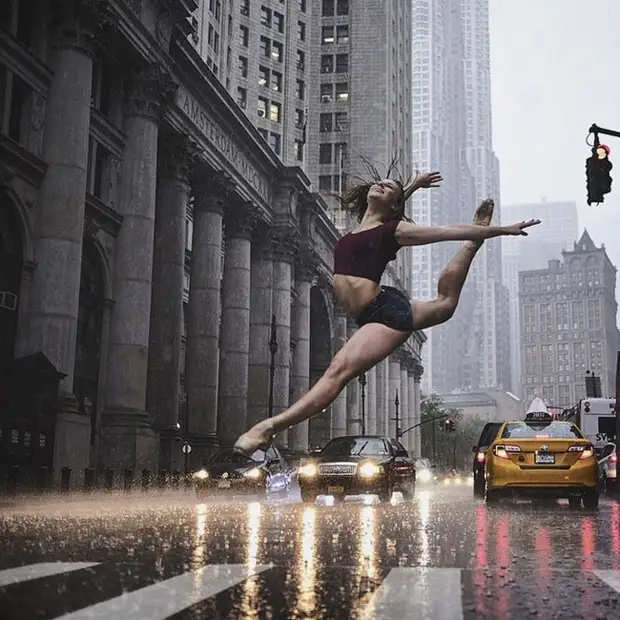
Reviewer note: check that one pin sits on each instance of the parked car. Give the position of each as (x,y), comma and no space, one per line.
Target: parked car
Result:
(358,465)
(263,476)
(487,437)
(608,469)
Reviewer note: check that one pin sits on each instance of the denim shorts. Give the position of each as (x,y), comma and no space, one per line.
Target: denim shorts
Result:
(390,307)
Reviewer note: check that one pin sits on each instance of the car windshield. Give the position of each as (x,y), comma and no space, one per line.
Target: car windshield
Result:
(229,457)
(541,430)
(354,446)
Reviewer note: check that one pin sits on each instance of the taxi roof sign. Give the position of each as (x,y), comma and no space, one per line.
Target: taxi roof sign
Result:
(538,406)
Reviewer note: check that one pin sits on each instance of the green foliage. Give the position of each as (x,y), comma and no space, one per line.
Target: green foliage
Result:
(451,449)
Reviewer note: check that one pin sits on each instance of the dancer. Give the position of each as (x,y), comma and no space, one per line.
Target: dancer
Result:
(385,316)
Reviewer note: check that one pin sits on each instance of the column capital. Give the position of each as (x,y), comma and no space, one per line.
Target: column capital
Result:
(210,189)
(285,241)
(149,90)
(240,219)
(307,263)
(418,371)
(178,154)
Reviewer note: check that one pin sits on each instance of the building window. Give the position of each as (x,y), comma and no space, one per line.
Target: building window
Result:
(327,35)
(342,92)
(328,8)
(300,90)
(277,51)
(265,16)
(342,7)
(301,60)
(262,107)
(245,7)
(265,47)
(326,123)
(243,66)
(327,93)
(299,150)
(275,142)
(325,183)
(327,63)
(263,76)
(242,97)
(301,31)
(340,153)
(276,81)
(302,6)
(325,153)
(278,21)
(299,118)
(342,34)
(244,36)
(274,112)
(342,63)
(341,121)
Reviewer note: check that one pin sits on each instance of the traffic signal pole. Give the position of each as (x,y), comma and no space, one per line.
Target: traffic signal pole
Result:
(595,129)
(617,401)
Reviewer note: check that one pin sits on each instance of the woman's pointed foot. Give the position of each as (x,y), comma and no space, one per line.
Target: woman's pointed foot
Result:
(254,439)
(482,217)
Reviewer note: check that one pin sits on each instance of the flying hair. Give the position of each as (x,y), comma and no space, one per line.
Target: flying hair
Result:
(354,199)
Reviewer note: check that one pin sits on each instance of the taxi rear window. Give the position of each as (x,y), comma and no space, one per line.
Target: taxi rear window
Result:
(536,430)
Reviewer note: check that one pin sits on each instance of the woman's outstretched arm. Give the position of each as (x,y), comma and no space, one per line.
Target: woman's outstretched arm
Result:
(411,234)
(423,179)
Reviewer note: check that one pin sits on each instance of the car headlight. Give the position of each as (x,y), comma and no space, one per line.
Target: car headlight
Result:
(203,474)
(368,470)
(253,473)
(425,475)
(309,470)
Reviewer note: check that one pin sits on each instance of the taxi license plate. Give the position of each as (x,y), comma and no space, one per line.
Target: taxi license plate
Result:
(223,484)
(335,489)
(545,459)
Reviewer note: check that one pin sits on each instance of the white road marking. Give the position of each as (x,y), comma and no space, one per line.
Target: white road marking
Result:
(166,598)
(417,594)
(29,572)
(610,577)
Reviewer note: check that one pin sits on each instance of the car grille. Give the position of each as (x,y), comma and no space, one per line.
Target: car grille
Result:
(337,469)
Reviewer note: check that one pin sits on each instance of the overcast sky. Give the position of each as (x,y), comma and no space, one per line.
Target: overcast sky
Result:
(555,69)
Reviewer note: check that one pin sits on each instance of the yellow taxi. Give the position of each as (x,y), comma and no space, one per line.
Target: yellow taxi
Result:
(541,457)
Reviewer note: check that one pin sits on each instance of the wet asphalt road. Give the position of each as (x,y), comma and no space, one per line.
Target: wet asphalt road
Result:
(443,556)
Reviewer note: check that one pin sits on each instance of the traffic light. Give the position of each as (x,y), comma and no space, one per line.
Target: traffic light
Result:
(448,425)
(598,168)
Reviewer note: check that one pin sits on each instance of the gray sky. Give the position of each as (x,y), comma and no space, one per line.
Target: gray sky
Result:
(552,70)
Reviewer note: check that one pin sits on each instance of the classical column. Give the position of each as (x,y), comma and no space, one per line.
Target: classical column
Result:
(59,224)
(381,370)
(177,155)
(413,417)
(261,311)
(394,389)
(235,334)
(305,270)
(417,377)
(202,361)
(285,248)
(127,439)
(339,407)
(354,420)
(371,401)
(403,395)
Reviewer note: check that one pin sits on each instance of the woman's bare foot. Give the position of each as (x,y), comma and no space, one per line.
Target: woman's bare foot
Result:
(259,437)
(482,217)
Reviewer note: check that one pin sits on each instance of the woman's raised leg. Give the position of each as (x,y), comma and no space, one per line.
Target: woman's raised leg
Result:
(452,278)
(370,344)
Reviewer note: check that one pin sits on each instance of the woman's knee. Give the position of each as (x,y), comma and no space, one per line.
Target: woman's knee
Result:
(339,370)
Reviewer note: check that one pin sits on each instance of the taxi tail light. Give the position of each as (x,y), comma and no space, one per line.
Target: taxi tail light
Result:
(481,457)
(503,451)
(613,458)
(587,450)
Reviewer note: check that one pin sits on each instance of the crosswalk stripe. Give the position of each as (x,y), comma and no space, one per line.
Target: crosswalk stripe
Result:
(29,572)
(166,598)
(417,594)
(610,577)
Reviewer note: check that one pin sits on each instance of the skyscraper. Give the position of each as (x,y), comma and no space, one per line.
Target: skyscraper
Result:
(556,233)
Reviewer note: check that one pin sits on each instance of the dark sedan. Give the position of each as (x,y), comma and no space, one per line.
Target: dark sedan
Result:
(358,465)
(263,476)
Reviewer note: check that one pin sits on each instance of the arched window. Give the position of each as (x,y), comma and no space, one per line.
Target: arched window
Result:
(88,342)
(11,260)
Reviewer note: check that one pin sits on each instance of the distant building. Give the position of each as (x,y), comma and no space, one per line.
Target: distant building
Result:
(557,232)
(568,324)
(488,405)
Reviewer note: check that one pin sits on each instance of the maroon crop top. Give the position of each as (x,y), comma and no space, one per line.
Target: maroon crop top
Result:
(365,254)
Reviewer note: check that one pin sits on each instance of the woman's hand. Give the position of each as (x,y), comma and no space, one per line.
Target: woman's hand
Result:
(518,230)
(427,179)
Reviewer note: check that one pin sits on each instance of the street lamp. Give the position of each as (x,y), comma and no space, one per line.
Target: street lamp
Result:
(273,349)
(362,380)
(396,418)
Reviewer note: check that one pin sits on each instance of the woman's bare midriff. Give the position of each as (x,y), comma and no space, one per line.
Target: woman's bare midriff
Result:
(354,293)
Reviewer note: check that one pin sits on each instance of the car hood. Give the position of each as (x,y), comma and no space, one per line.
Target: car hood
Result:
(351,459)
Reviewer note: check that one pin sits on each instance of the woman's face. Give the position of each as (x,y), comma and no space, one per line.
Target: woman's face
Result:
(385,194)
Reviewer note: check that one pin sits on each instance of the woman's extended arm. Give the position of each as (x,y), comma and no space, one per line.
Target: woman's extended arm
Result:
(423,179)
(411,234)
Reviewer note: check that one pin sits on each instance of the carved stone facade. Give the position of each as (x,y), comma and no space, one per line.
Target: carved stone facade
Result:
(191,236)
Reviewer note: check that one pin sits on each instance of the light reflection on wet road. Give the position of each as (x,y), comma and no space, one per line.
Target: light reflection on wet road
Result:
(300,561)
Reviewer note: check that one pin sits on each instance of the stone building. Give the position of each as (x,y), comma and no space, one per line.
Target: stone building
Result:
(148,235)
(568,325)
